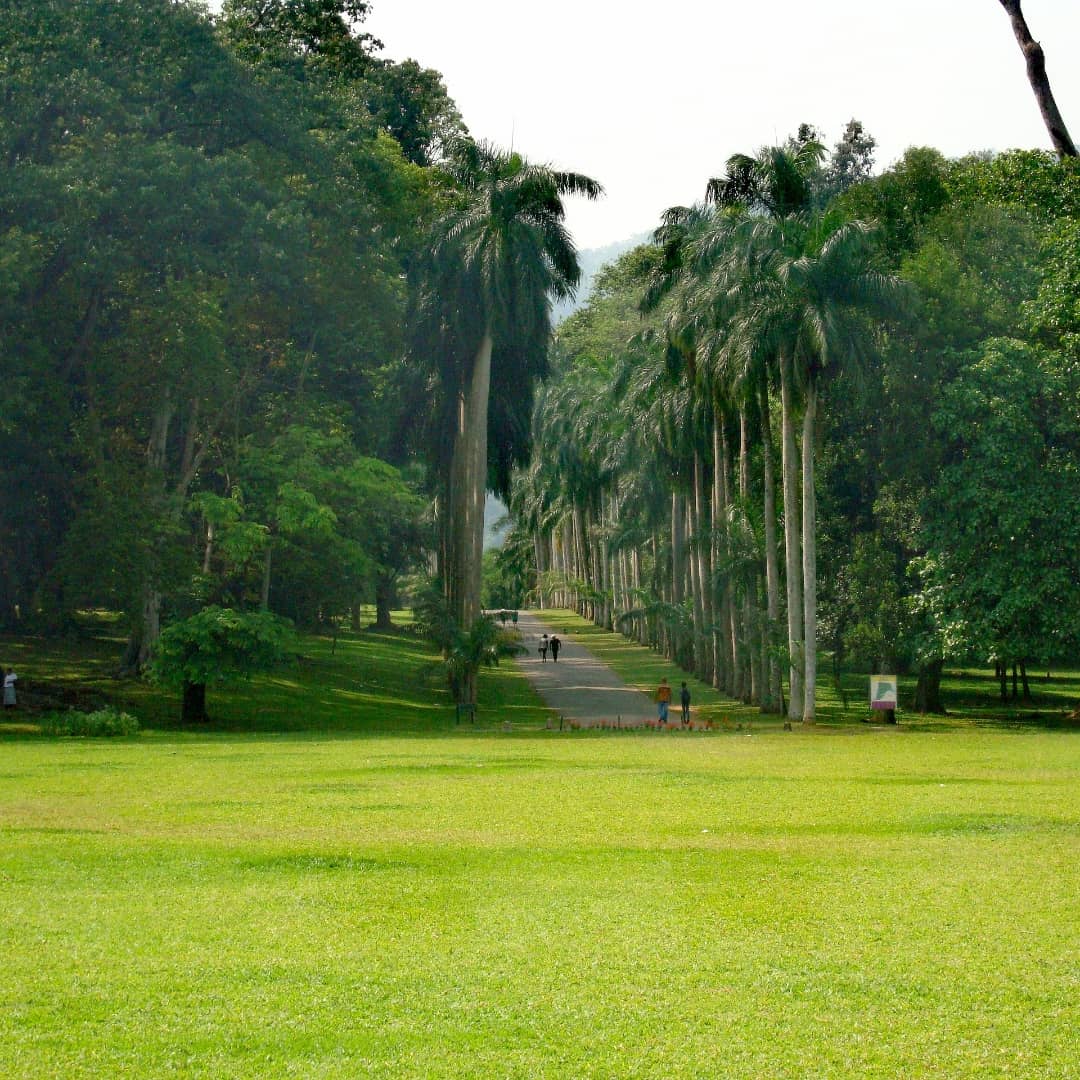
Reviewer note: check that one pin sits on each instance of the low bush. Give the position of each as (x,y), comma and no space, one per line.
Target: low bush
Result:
(101,722)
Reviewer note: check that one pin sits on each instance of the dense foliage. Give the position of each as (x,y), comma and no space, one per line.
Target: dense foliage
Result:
(204,233)
(271,323)
(846,418)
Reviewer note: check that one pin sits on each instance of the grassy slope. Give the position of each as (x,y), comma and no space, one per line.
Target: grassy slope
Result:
(368,682)
(390,896)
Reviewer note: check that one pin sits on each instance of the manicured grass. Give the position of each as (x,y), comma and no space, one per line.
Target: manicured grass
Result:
(337,881)
(470,905)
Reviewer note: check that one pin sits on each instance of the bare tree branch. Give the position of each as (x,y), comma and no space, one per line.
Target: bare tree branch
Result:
(1040,84)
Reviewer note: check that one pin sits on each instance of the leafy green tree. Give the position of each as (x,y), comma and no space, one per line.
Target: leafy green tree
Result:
(411,103)
(215,647)
(319,36)
(1001,577)
(852,158)
(198,251)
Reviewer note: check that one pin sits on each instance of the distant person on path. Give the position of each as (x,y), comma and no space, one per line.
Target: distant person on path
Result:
(544,648)
(10,679)
(556,645)
(684,700)
(663,700)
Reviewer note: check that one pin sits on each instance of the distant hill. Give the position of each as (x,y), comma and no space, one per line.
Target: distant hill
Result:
(592,261)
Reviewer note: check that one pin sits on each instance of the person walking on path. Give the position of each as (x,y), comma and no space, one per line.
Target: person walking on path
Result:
(663,700)
(543,648)
(684,700)
(581,689)
(10,678)
(556,645)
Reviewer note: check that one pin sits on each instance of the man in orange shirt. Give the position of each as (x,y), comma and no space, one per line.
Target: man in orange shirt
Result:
(663,700)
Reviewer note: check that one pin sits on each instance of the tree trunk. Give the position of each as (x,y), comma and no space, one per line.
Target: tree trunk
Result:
(809,523)
(1024,680)
(193,704)
(792,560)
(1035,60)
(719,654)
(771,696)
(384,600)
(703,653)
(678,569)
(146,627)
(145,631)
(208,550)
(928,688)
(468,486)
(749,599)
(264,591)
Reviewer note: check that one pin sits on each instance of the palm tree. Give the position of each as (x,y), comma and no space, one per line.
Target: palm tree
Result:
(776,188)
(825,290)
(498,254)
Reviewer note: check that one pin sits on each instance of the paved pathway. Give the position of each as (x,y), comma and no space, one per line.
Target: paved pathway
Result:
(578,686)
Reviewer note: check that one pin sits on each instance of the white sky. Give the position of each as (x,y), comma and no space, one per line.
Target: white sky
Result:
(651,98)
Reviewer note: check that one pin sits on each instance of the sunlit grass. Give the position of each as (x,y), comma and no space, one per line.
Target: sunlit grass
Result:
(335,879)
(475,905)
(357,682)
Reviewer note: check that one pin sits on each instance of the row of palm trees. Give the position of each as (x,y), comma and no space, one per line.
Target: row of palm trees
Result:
(753,301)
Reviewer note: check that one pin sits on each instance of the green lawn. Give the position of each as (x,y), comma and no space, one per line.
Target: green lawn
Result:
(361,683)
(389,895)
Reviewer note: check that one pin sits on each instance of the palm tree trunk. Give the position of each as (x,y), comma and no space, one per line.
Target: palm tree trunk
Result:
(697,583)
(809,552)
(468,486)
(718,495)
(678,566)
(703,553)
(771,695)
(735,647)
(792,562)
(749,623)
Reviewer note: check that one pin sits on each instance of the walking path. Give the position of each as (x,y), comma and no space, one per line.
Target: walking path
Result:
(578,686)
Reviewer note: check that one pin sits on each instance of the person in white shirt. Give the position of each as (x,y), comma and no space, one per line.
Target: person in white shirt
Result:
(10,678)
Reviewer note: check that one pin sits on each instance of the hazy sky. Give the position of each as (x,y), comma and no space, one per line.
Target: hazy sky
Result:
(652,98)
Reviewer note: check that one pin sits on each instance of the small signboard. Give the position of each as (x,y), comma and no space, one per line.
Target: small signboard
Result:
(882,691)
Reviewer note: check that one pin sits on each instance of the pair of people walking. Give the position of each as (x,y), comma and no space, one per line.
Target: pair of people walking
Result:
(663,701)
(552,644)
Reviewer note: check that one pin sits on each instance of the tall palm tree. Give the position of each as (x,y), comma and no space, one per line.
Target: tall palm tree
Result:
(826,293)
(499,254)
(775,187)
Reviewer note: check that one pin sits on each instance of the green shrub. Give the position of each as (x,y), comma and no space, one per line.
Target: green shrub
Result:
(101,722)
